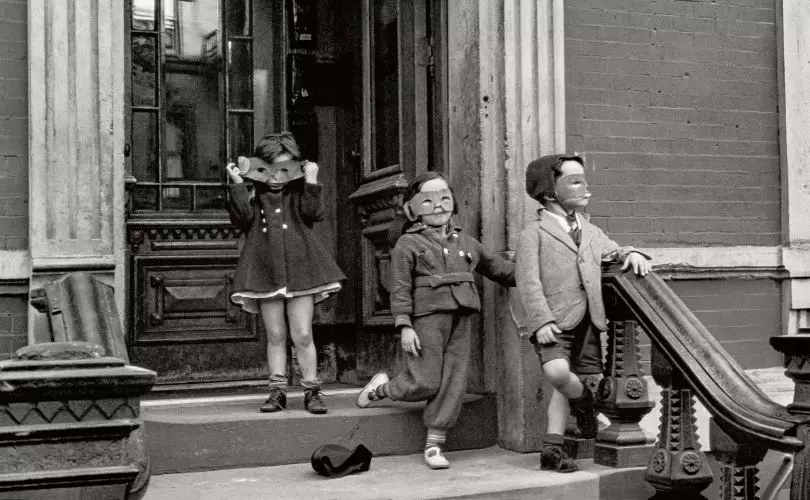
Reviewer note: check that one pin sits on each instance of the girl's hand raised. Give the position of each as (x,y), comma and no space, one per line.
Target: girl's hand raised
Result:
(310,170)
(410,341)
(233,173)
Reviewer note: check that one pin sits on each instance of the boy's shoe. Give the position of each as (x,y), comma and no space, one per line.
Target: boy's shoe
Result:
(552,457)
(276,402)
(583,409)
(435,459)
(313,401)
(369,392)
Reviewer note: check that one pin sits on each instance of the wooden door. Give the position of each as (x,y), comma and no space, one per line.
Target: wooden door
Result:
(209,78)
(403,136)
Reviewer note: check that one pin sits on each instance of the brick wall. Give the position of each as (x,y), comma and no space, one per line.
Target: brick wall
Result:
(675,105)
(13,324)
(13,126)
(741,314)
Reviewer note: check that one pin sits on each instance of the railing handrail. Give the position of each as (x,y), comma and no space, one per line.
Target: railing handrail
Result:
(741,409)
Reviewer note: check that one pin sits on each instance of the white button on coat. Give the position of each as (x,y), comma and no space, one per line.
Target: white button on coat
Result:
(284,226)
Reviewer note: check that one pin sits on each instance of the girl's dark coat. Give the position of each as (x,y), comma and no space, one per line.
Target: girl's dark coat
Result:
(281,247)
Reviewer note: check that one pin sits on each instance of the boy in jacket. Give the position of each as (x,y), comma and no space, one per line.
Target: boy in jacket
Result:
(559,278)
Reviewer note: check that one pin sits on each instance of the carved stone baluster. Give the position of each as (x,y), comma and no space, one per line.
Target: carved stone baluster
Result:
(796,349)
(739,479)
(623,397)
(678,468)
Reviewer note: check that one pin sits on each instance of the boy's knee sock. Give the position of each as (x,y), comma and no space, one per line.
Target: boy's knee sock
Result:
(435,437)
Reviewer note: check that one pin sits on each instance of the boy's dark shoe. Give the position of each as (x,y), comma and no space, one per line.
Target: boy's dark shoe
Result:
(583,410)
(313,401)
(277,401)
(552,457)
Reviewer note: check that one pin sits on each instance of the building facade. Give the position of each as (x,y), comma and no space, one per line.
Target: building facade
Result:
(117,118)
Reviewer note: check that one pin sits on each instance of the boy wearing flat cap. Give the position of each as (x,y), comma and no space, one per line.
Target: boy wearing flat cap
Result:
(559,278)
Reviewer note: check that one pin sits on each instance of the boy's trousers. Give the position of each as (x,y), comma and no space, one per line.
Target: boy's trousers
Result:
(439,374)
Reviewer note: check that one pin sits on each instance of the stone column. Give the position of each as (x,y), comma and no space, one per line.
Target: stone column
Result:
(522,115)
(77,68)
(793,39)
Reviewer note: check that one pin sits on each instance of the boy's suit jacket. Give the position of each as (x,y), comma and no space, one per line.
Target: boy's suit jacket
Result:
(558,281)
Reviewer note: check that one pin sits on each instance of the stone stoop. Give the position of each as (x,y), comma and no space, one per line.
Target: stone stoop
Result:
(205,434)
(484,474)
(491,473)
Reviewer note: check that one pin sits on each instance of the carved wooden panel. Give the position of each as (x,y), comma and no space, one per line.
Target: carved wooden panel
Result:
(379,204)
(183,299)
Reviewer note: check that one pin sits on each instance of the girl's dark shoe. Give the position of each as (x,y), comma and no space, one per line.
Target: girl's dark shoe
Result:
(552,457)
(277,401)
(585,413)
(313,401)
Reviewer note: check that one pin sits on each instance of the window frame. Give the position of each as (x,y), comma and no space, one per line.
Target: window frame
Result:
(160,111)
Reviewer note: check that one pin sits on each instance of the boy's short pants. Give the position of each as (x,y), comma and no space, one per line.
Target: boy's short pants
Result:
(581,346)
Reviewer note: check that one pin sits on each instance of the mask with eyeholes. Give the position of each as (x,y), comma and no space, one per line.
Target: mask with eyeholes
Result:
(274,175)
(425,203)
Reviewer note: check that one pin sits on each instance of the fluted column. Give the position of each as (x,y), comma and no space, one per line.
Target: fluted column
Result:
(522,116)
(793,42)
(76,119)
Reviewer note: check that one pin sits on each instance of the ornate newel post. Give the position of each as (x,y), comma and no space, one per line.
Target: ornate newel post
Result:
(624,398)
(66,416)
(678,468)
(796,349)
(739,465)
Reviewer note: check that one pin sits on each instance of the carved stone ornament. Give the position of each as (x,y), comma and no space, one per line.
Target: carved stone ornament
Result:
(690,462)
(634,388)
(659,461)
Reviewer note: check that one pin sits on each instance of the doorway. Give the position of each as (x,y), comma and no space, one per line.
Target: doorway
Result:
(208,79)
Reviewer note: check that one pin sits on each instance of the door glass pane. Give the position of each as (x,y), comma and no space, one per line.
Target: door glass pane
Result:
(240,62)
(241,129)
(144,198)
(238,17)
(144,146)
(193,130)
(143,15)
(385,84)
(211,198)
(144,67)
(177,198)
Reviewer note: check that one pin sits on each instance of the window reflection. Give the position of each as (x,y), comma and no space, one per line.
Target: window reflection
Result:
(386,83)
(182,122)
(194,118)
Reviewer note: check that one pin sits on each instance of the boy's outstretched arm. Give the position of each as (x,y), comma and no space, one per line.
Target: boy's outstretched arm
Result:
(494,267)
(527,276)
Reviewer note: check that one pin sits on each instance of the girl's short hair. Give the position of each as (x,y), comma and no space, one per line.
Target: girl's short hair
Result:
(271,146)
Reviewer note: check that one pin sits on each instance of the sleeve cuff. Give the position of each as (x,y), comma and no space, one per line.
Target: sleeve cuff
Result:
(402,320)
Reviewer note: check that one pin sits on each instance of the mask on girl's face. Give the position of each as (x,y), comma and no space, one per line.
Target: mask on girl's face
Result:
(570,189)
(425,202)
(272,174)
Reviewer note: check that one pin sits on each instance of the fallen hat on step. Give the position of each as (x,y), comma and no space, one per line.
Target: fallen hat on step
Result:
(334,460)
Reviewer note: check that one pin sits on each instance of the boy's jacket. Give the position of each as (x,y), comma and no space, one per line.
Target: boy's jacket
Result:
(559,282)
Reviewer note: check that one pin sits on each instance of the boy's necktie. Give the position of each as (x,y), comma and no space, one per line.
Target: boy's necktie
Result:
(574,228)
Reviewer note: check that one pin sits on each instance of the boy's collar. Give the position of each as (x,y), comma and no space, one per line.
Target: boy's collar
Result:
(421,226)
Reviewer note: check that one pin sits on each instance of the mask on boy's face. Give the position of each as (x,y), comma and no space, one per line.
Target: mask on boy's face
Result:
(570,189)
(425,202)
(272,174)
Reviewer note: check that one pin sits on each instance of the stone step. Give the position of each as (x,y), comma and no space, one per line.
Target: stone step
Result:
(225,432)
(491,473)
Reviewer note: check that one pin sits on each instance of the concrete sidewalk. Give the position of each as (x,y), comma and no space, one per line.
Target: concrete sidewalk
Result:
(491,473)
